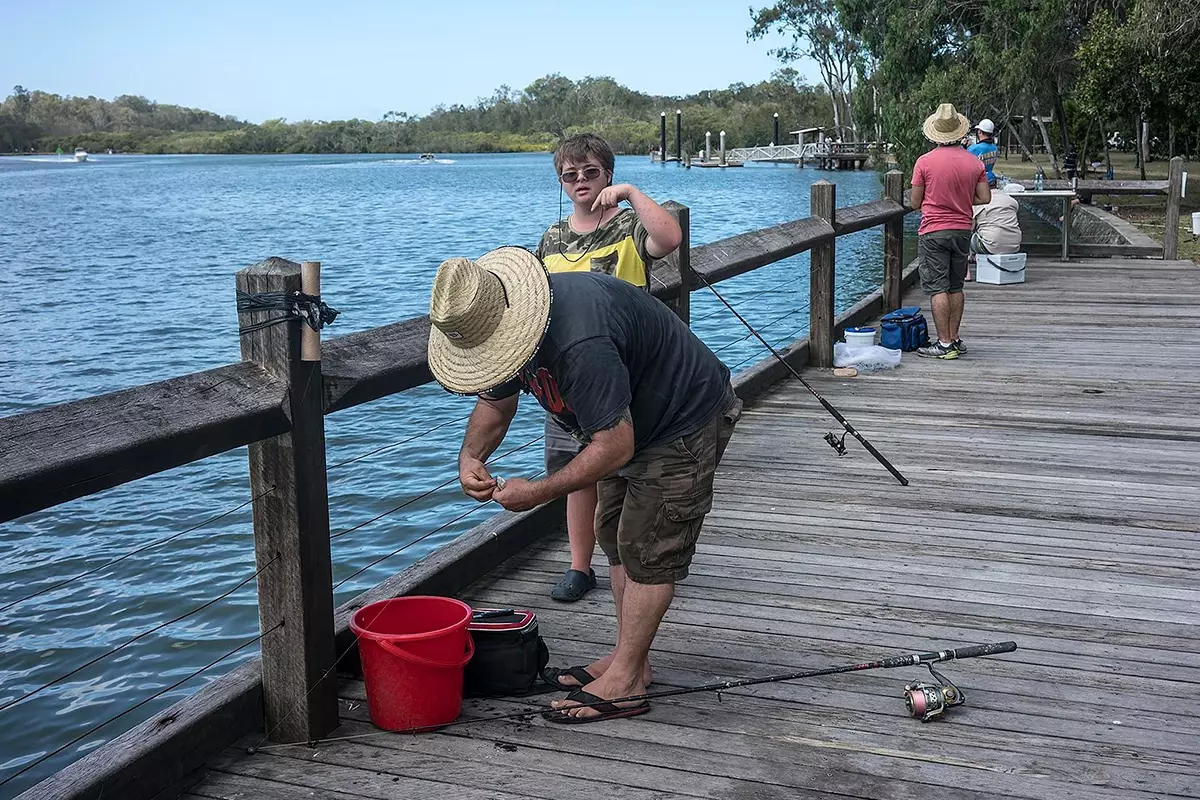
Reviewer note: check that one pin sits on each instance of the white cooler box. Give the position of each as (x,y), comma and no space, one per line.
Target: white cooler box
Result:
(1000,269)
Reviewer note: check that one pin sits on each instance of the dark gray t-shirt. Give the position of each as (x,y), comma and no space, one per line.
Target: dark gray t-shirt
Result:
(612,346)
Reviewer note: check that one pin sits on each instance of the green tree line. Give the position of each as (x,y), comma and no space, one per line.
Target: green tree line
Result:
(532,119)
(1055,75)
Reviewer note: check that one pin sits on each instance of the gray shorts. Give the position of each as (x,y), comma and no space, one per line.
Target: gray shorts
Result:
(943,260)
(560,447)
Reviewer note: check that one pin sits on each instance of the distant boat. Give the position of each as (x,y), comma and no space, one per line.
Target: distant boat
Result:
(81,154)
(428,158)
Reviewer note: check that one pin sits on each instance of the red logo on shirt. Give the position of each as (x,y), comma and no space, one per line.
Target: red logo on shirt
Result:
(542,385)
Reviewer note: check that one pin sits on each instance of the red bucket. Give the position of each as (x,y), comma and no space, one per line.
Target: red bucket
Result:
(413,651)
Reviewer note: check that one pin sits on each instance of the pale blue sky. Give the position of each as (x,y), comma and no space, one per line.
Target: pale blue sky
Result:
(362,58)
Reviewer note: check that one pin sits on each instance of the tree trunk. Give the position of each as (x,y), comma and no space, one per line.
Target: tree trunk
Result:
(1037,117)
(1104,136)
(1144,145)
(1171,140)
(1025,154)
(1064,133)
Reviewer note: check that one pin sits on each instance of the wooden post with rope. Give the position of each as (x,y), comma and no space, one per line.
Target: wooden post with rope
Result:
(893,243)
(681,260)
(823,199)
(291,516)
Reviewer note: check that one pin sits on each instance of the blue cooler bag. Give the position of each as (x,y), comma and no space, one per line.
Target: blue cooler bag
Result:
(904,329)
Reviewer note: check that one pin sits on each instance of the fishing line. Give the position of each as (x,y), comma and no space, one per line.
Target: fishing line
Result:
(912,659)
(154,696)
(837,444)
(131,553)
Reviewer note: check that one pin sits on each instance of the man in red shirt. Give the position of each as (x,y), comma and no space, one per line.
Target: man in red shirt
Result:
(946,182)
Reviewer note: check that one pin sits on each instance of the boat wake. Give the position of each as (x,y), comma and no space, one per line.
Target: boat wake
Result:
(405,162)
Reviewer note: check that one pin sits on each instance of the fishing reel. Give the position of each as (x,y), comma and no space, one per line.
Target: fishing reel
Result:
(926,701)
(836,442)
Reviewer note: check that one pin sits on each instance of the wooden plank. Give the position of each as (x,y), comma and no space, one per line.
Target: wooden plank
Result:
(727,258)
(62,452)
(291,524)
(869,215)
(375,363)
(821,268)
(1095,250)
(1095,187)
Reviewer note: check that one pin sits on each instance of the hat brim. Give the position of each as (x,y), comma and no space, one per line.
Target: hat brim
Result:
(934,135)
(498,359)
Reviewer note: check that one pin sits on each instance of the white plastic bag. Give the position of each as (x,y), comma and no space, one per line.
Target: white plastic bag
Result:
(865,359)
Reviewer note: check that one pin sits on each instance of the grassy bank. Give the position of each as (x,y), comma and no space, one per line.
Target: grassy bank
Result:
(1148,213)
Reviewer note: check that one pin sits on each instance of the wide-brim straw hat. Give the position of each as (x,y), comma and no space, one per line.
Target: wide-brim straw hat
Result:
(946,125)
(487,317)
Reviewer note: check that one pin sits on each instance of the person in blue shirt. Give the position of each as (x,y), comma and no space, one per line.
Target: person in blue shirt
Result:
(984,148)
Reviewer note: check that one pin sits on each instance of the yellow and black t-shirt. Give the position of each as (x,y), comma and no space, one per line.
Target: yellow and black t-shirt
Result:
(618,247)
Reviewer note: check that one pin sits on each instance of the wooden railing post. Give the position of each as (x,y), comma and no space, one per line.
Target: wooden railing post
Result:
(681,259)
(291,519)
(823,200)
(893,242)
(1174,198)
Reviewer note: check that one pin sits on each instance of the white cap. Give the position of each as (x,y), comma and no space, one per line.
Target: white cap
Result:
(986,125)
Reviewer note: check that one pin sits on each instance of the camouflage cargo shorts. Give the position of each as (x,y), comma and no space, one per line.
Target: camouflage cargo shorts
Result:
(648,514)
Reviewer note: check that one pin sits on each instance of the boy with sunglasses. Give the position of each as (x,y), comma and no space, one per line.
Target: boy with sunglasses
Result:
(598,236)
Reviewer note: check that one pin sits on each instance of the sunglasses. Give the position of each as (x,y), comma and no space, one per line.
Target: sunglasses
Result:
(574,175)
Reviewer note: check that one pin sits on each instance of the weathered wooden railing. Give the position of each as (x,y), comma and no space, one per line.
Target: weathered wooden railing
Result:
(273,401)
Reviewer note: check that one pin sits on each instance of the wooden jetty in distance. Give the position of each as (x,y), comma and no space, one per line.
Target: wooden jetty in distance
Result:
(822,155)
(1054,475)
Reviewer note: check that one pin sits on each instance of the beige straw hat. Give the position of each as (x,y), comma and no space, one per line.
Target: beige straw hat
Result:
(946,125)
(488,318)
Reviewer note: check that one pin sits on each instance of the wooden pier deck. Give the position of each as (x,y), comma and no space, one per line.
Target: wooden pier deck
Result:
(1054,501)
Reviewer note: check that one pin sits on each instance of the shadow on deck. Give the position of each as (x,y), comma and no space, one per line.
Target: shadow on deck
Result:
(1053,501)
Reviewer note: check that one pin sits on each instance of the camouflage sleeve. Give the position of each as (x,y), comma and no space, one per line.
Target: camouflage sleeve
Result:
(544,243)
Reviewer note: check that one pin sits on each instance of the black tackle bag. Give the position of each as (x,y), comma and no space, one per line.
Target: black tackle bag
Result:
(509,654)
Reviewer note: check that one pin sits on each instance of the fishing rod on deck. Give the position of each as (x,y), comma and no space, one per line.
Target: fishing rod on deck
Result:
(838,444)
(923,701)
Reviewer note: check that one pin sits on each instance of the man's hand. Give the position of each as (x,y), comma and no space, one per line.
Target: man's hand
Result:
(610,196)
(476,481)
(519,494)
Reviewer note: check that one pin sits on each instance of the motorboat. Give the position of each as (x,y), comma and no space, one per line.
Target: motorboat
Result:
(81,154)
(428,158)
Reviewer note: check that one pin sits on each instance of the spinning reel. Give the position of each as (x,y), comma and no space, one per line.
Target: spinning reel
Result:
(926,701)
(838,444)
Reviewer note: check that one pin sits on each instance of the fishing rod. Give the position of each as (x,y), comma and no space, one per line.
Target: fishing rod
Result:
(924,701)
(839,445)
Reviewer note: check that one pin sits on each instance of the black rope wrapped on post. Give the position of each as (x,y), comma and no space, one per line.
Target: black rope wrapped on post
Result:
(297,305)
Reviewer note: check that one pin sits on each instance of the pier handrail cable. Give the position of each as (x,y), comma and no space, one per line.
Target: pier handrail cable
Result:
(134,552)
(413,438)
(138,637)
(141,703)
(775,321)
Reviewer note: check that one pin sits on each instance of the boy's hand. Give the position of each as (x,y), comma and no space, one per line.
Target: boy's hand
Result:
(477,483)
(610,196)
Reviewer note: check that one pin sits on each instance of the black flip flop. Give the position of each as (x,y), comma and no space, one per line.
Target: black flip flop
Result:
(607,710)
(552,675)
(574,585)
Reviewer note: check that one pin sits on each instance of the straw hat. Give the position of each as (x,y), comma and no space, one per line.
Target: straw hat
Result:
(946,125)
(488,318)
